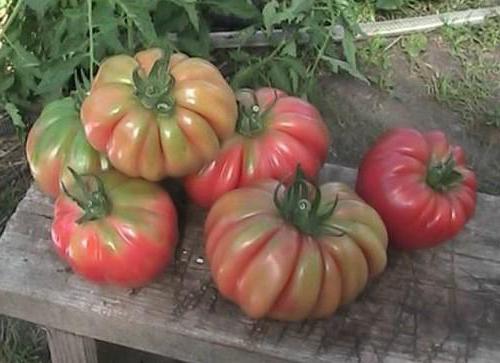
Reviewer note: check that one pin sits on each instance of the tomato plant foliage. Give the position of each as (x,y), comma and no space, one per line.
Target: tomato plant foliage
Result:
(43,42)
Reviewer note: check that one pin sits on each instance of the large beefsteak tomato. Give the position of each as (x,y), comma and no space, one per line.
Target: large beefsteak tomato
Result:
(156,116)
(275,133)
(114,229)
(420,185)
(57,141)
(296,253)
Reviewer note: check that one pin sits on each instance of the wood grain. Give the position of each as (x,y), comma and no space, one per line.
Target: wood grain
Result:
(439,305)
(70,348)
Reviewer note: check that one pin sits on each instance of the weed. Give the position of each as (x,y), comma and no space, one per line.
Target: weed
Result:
(21,342)
(375,61)
(472,91)
(414,45)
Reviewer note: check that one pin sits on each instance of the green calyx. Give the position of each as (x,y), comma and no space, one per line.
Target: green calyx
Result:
(90,196)
(154,90)
(251,117)
(300,205)
(443,176)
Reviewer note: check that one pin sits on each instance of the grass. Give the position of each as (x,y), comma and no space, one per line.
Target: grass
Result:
(472,91)
(21,342)
(375,62)
(368,12)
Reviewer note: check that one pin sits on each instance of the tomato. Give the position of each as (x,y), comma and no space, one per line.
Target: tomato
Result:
(275,133)
(296,253)
(115,230)
(420,185)
(157,116)
(57,141)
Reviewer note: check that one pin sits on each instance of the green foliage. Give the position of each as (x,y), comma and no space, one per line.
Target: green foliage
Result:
(414,45)
(44,42)
(390,4)
(473,90)
(20,342)
(374,58)
(310,28)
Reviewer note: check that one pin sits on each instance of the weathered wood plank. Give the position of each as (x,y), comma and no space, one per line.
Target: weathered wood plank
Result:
(437,305)
(67,347)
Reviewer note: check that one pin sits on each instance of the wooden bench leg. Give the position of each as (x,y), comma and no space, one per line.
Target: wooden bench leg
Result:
(70,348)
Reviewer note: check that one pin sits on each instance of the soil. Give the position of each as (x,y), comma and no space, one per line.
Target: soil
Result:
(358,113)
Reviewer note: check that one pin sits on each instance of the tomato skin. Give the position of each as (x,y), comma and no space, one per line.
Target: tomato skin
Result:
(294,134)
(392,179)
(270,269)
(141,141)
(57,141)
(130,246)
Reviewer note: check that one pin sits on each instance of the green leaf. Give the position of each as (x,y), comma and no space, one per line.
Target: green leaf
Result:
(296,65)
(415,44)
(6,82)
(245,76)
(300,6)
(337,64)
(178,20)
(279,76)
(138,12)
(107,28)
(195,43)
(270,15)
(290,49)
(40,6)
(23,58)
(390,4)
(349,49)
(17,120)
(242,9)
(245,34)
(190,7)
(55,77)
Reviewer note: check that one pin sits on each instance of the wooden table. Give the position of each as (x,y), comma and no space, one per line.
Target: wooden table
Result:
(438,305)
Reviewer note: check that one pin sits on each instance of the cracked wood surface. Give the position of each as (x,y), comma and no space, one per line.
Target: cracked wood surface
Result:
(439,305)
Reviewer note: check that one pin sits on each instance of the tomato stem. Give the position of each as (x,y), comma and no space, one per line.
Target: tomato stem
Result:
(252,118)
(92,199)
(300,204)
(154,90)
(443,176)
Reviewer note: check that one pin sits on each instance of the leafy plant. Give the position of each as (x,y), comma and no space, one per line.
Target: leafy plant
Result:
(414,45)
(309,28)
(43,43)
(390,4)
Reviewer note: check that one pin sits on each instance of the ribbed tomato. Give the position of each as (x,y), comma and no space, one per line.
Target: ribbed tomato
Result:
(420,185)
(114,229)
(57,141)
(275,133)
(156,116)
(296,253)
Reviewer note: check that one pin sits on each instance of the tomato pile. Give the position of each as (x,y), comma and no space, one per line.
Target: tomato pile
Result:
(277,244)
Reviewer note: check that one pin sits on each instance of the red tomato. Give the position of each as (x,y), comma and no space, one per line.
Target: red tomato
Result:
(420,186)
(275,133)
(114,229)
(294,254)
